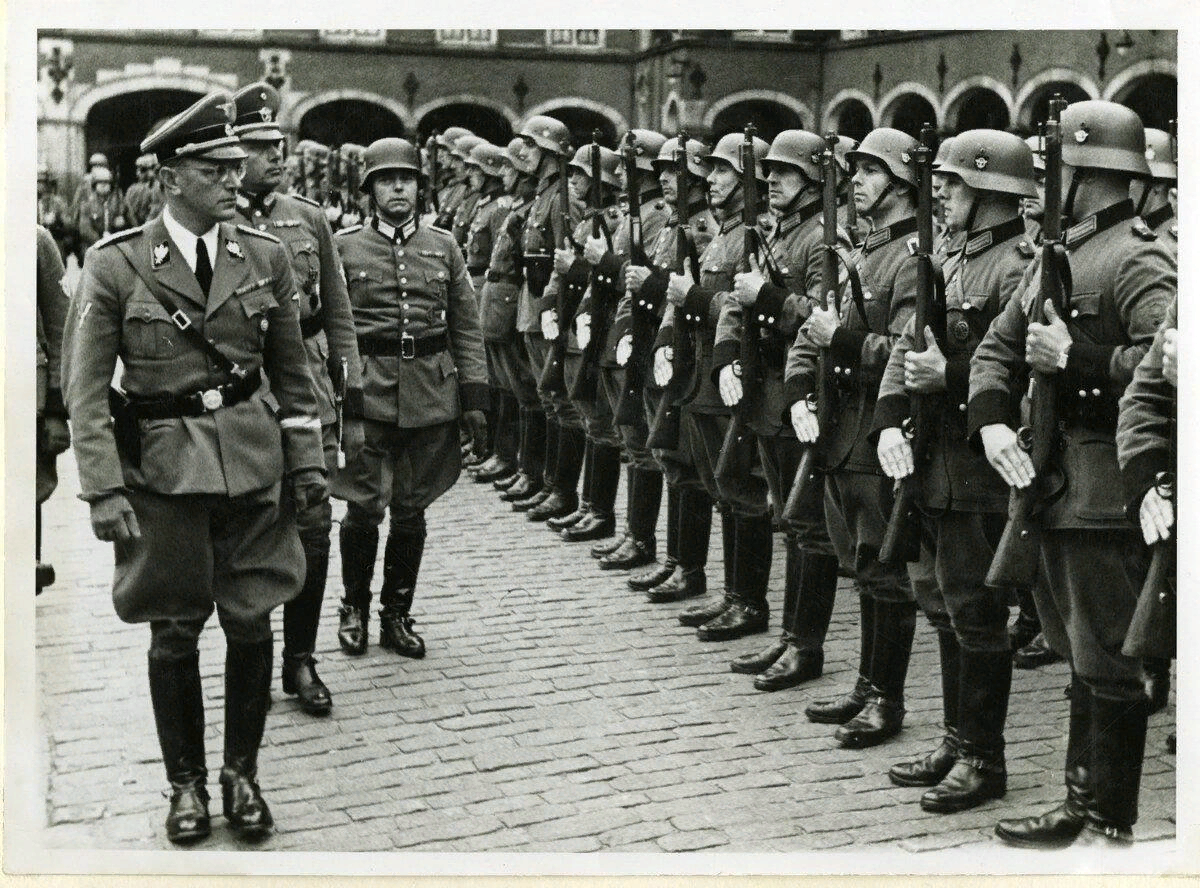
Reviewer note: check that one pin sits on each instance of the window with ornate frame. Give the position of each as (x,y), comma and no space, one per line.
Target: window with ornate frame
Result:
(579,38)
(360,36)
(466,37)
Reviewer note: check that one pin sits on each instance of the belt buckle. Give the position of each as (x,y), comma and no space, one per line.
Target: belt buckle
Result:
(212,399)
(408,346)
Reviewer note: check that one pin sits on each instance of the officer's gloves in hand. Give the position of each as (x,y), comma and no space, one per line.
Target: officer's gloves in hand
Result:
(624,349)
(113,519)
(583,329)
(310,491)
(1170,356)
(664,367)
(1156,516)
(56,437)
(476,423)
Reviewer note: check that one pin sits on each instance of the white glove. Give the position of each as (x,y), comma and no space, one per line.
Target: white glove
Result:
(550,324)
(583,329)
(624,349)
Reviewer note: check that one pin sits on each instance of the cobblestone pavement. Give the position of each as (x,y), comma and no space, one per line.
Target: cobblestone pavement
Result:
(556,711)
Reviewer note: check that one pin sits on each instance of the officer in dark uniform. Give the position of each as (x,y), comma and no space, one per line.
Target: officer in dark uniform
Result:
(859,342)
(689,507)
(1093,562)
(53,434)
(745,526)
(423,368)
(985,174)
(198,473)
(328,330)
(796,247)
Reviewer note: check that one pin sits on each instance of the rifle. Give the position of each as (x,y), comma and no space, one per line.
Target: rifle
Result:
(1016,560)
(432,147)
(824,399)
(629,404)
(902,538)
(664,428)
(737,453)
(553,380)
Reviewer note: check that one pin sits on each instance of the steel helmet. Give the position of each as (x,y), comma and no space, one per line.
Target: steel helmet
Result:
(845,145)
(97,159)
(647,145)
(729,150)
(697,156)
(489,158)
(452,133)
(991,160)
(892,148)
(102,174)
(797,148)
(943,152)
(389,154)
(316,151)
(609,161)
(547,133)
(1104,136)
(1158,155)
(1037,145)
(352,151)
(464,144)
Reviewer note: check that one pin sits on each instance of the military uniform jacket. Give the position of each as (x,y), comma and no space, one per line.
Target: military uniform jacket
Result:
(544,231)
(980,279)
(797,245)
(1163,223)
(654,216)
(51,317)
(251,316)
(143,201)
(502,287)
(325,318)
(1124,282)
(1146,425)
(861,345)
(481,234)
(583,278)
(413,282)
(98,217)
(450,197)
(463,215)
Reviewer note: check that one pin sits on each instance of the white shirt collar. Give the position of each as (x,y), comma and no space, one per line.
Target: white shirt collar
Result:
(185,241)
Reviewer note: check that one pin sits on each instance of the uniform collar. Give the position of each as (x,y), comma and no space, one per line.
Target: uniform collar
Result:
(1159,216)
(980,241)
(185,241)
(248,203)
(798,216)
(1101,221)
(649,194)
(881,236)
(401,234)
(732,214)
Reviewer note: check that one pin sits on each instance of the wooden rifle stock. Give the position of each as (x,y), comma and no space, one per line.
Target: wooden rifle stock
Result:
(553,379)
(432,146)
(629,403)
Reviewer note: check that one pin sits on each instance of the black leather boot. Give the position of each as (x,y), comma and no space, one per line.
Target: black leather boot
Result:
(643,500)
(748,614)
(359,546)
(601,520)
(762,659)
(496,468)
(531,456)
(584,508)
(247,695)
(930,770)
(655,573)
(508,481)
(567,465)
(401,565)
(1157,682)
(301,617)
(882,715)
(549,441)
(979,775)
(178,703)
(506,431)
(1118,746)
(804,658)
(841,709)
(1060,826)
(1027,624)
(1037,653)
(533,500)
(693,527)
(714,606)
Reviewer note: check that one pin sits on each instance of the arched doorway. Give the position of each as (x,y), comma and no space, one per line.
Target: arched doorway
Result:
(1154,98)
(348,120)
(980,108)
(769,118)
(582,122)
(909,112)
(487,123)
(117,126)
(1037,106)
(853,119)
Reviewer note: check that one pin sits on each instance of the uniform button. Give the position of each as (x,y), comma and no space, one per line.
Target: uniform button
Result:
(1074,312)
(761,318)
(262,227)
(404,280)
(401,266)
(783,271)
(962,408)
(1083,393)
(1096,392)
(399,252)
(406,306)
(770,320)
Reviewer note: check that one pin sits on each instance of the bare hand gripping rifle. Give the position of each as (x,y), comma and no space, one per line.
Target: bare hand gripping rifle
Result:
(643,322)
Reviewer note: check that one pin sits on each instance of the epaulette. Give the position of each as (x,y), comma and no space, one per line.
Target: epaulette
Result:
(1026,248)
(350,229)
(264,235)
(308,200)
(1142,230)
(116,237)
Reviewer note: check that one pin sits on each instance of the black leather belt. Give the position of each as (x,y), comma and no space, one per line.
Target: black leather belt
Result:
(477,270)
(403,346)
(499,277)
(313,324)
(196,403)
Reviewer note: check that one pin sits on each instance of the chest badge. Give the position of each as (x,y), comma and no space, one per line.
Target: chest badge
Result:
(961,330)
(264,324)
(234,249)
(160,255)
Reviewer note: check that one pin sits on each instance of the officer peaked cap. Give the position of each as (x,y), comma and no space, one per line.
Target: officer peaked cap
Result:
(203,131)
(257,113)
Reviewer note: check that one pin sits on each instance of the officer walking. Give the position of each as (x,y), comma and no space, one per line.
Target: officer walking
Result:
(200,469)
(423,367)
(327,326)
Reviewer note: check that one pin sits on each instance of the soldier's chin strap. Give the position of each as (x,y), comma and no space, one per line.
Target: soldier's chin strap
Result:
(888,189)
(1077,178)
(1147,185)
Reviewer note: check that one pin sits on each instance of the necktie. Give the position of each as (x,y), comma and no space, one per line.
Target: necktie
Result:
(204,270)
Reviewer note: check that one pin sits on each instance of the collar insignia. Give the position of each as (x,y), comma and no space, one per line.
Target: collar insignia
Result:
(160,255)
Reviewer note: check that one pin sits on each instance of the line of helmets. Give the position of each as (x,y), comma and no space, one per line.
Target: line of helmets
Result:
(1096,135)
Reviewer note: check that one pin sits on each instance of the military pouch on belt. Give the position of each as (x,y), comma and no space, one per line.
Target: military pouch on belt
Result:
(125,427)
(537,274)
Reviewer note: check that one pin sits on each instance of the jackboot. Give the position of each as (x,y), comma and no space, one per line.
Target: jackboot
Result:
(1118,746)
(359,546)
(601,519)
(506,432)
(655,573)
(693,530)
(561,523)
(1060,826)
(642,502)
(804,657)
(748,613)
(1037,653)
(401,565)
(567,466)
(1157,682)
(759,661)
(930,770)
(841,709)
(712,606)
(499,468)
(1027,624)
(531,455)
(549,439)
(247,696)
(178,703)
(882,716)
(301,617)
(979,775)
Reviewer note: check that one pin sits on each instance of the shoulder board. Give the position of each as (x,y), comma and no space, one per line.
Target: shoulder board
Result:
(116,237)
(349,230)
(264,235)
(441,230)
(1026,248)
(1142,230)
(307,200)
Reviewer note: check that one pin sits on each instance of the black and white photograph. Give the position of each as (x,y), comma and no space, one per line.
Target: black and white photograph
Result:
(584,451)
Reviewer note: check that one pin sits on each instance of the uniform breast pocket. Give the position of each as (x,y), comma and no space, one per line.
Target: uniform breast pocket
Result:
(360,282)
(437,281)
(257,308)
(306,264)
(1084,316)
(150,334)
